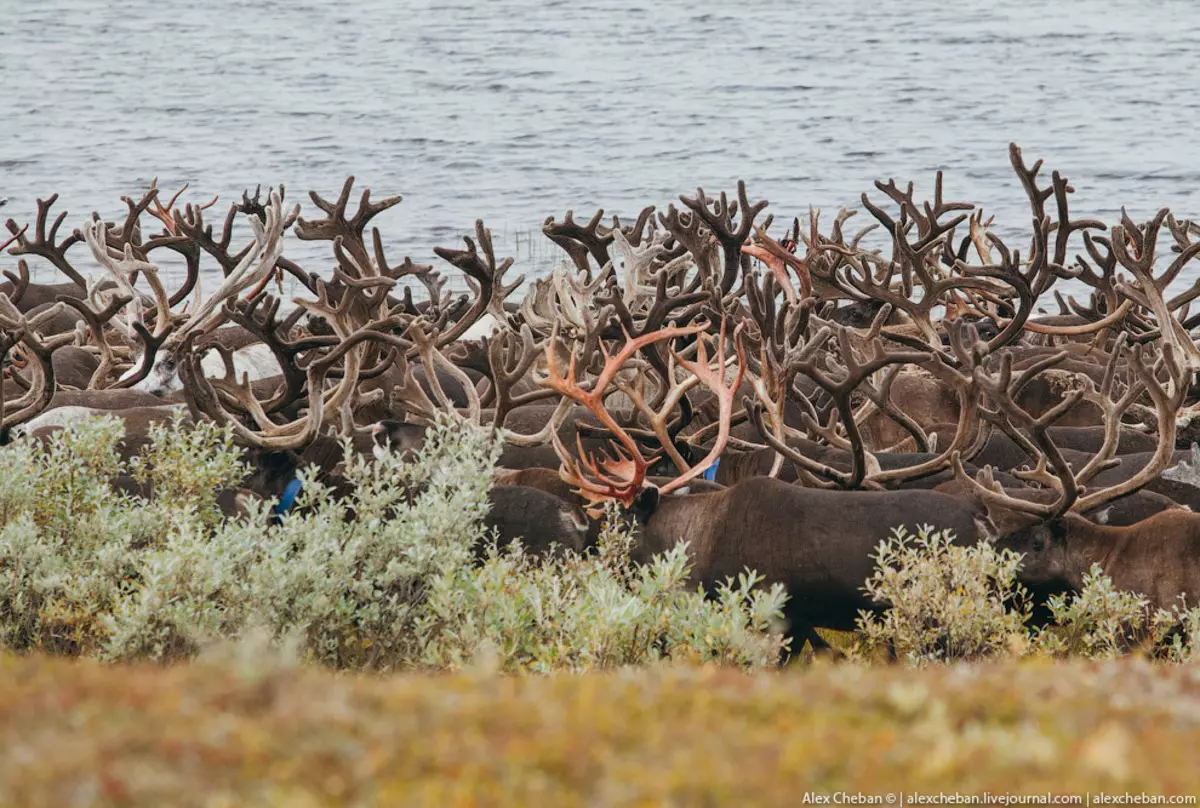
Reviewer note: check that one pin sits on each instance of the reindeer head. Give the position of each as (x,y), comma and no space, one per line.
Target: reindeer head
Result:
(161,379)
(404,439)
(1046,560)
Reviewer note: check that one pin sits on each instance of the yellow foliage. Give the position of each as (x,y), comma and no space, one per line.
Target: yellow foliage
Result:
(203,733)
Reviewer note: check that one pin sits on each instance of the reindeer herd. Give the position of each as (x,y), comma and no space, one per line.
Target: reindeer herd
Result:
(777,403)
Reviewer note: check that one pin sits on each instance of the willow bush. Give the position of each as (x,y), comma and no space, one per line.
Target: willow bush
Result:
(384,578)
(950,602)
(599,610)
(402,573)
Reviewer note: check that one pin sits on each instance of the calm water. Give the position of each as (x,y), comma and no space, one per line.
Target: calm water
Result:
(513,110)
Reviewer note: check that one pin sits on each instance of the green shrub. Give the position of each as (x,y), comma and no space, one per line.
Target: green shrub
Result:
(188,466)
(383,578)
(948,602)
(1098,622)
(953,603)
(598,610)
(1102,622)
(1176,632)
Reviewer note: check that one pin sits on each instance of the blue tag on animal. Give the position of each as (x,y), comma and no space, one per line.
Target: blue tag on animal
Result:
(710,473)
(288,499)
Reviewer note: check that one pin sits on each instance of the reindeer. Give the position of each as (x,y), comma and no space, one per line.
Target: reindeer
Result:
(1156,555)
(818,543)
(828,393)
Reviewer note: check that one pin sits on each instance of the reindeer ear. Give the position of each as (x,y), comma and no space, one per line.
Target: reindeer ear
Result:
(645,504)
(986,529)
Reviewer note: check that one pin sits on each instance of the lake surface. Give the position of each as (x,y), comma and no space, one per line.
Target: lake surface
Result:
(514,110)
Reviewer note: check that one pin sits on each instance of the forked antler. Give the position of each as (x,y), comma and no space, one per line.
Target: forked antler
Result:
(1051,469)
(18,328)
(622,475)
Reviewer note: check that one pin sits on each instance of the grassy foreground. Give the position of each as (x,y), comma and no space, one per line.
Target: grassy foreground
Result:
(83,733)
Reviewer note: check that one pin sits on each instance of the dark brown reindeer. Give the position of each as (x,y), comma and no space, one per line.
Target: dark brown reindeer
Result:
(1155,556)
(840,349)
(818,543)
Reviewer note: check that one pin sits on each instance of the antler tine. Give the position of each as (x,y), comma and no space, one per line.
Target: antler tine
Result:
(777,258)
(166,213)
(719,219)
(637,262)
(856,372)
(912,260)
(664,306)
(43,242)
(988,490)
(673,394)
(259,316)
(17,328)
(581,241)
(95,233)
(928,225)
(257,261)
(190,223)
(1112,410)
(1149,291)
(433,359)
(689,233)
(1002,390)
(402,270)
(1167,397)
(163,322)
(336,224)
(510,356)
(484,275)
(20,281)
(879,398)
(622,476)
(95,323)
(16,236)
(714,380)
(634,233)
(129,232)
(410,396)
(771,390)
(203,399)
(817,474)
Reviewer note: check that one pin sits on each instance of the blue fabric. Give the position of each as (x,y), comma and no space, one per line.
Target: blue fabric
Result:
(288,499)
(710,473)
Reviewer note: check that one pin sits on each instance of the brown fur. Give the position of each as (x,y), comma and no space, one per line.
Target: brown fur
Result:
(1156,557)
(817,543)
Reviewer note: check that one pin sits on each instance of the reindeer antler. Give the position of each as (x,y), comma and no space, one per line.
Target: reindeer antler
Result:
(619,476)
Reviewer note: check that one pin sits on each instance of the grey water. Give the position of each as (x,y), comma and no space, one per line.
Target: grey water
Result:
(515,110)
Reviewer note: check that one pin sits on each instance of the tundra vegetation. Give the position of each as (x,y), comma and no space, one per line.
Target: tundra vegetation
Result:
(692,441)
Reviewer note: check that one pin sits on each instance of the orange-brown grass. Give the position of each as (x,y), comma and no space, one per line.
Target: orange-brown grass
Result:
(82,733)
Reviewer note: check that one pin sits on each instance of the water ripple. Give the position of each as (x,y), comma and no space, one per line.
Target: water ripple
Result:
(515,109)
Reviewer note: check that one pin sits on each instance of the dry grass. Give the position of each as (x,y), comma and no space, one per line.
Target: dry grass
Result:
(82,733)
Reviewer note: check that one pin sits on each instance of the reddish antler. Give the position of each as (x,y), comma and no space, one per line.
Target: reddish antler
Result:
(618,476)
